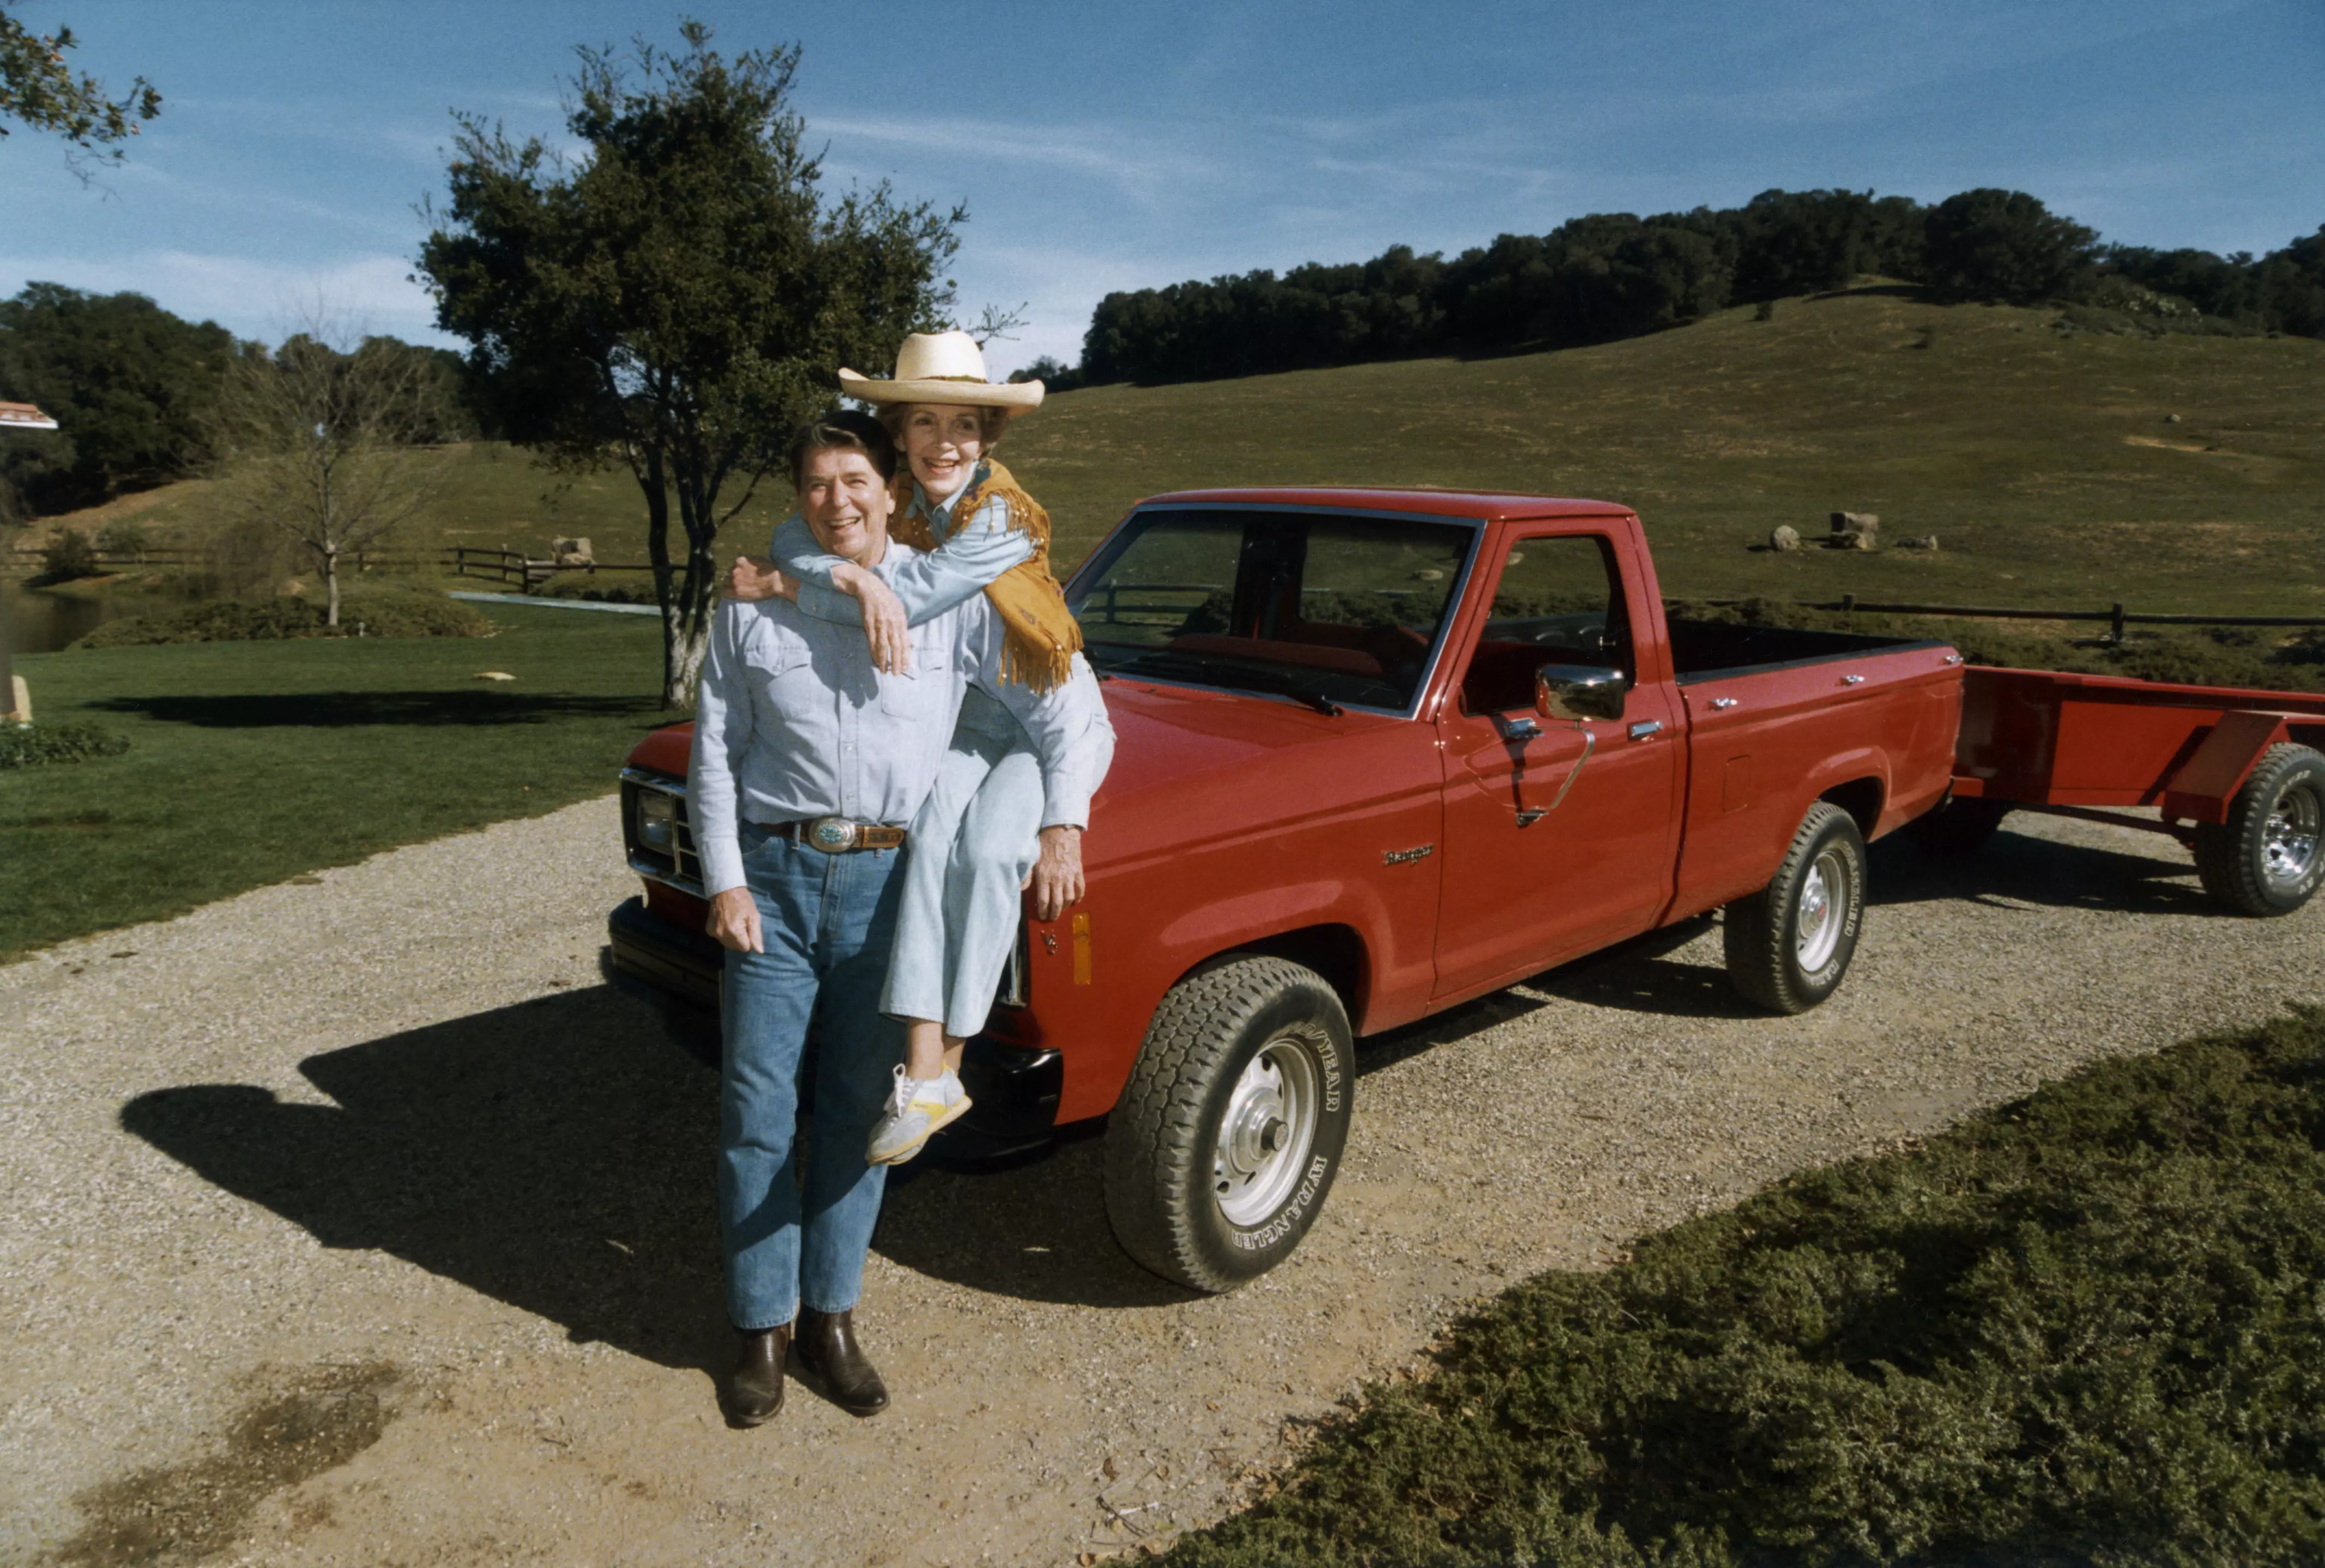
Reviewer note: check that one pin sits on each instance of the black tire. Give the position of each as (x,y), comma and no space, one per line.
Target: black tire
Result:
(1195,1115)
(1957,829)
(1783,952)
(2269,856)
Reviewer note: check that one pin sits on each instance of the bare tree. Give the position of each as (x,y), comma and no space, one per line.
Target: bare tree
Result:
(321,442)
(995,325)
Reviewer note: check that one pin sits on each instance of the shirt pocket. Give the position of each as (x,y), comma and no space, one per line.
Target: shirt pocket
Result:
(779,661)
(920,694)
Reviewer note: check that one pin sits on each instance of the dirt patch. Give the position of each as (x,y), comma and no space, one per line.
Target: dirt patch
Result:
(306,1421)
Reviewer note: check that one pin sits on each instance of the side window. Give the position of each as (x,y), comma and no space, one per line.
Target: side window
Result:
(1559,601)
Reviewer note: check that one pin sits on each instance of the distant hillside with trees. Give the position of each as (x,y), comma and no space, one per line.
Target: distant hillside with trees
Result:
(1610,276)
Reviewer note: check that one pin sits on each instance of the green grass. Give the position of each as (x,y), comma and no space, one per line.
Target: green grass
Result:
(2086,1328)
(2041,459)
(249,762)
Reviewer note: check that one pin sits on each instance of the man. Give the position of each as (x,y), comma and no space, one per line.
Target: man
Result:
(808,764)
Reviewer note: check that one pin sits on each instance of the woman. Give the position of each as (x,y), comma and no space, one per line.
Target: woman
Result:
(994,825)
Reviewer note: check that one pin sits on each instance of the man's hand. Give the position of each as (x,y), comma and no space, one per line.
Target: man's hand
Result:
(1056,878)
(883,618)
(753,577)
(734,920)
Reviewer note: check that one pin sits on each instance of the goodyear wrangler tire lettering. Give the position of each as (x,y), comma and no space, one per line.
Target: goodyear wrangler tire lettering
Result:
(1227,1136)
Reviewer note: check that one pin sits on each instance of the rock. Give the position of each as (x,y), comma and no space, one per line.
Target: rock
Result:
(494,675)
(1919,541)
(572,552)
(1782,537)
(2171,419)
(1854,531)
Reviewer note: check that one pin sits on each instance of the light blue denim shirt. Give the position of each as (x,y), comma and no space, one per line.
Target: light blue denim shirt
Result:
(967,560)
(793,722)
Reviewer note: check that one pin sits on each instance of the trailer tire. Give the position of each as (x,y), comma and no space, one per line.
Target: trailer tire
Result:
(1957,829)
(1789,944)
(2268,858)
(1229,1133)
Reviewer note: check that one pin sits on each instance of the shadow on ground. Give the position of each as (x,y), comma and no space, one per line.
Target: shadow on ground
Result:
(332,710)
(556,1155)
(2149,875)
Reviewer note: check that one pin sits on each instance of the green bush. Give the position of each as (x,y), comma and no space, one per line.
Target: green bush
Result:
(123,537)
(38,745)
(2086,1328)
(377,612)
(625,587)
(68,555)
(2206,657)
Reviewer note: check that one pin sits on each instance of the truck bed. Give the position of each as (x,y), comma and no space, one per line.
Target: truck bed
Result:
(1710,650)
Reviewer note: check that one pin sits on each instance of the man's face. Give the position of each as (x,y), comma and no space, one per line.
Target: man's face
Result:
(846,504)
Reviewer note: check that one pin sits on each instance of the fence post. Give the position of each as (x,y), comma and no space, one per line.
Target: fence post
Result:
(1849,603)
(2116,624)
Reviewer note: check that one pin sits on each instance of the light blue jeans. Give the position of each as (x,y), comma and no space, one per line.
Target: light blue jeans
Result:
(828,923)
(976,837)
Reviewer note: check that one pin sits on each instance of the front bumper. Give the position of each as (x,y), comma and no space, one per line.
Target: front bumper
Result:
(1016,1091)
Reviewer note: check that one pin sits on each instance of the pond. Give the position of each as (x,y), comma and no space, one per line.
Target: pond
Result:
(34,621)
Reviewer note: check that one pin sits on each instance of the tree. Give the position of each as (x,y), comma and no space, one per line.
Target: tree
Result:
(680,299)
(2004,247)
(37,89)
(129,385)
(322,443)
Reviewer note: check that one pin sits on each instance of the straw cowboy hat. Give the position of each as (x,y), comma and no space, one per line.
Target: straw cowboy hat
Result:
(942,367)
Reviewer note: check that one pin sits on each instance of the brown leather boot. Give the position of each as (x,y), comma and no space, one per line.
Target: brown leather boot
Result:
(834,1363)
(754,1391)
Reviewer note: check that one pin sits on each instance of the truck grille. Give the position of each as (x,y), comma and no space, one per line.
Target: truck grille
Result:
(681,867)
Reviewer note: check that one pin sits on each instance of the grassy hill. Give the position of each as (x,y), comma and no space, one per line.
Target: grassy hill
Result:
(2041,459)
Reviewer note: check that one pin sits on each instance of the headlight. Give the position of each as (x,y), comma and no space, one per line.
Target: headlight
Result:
(657,829)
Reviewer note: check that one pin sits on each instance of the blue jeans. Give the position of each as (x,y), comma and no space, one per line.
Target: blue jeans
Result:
(826,923)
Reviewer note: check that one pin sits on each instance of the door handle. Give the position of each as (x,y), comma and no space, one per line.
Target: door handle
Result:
(1646,728)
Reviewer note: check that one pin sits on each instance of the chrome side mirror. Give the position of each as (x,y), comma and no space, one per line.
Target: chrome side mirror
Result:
(1579,691)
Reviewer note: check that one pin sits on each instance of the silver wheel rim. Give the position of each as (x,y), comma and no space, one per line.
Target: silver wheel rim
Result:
(1267,1131)
(2289,841)
(1822,912)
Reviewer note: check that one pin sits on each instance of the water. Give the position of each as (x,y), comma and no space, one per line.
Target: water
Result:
(34,622)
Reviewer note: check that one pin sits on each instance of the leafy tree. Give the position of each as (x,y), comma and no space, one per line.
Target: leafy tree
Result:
(322,444)
(2292,286)
(39,89)
(129,385)
(681,299)
(2006,248)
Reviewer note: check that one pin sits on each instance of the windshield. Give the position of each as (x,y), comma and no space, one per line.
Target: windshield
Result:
(1325,608)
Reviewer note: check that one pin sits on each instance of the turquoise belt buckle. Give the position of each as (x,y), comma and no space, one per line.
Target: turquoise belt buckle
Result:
(832,835)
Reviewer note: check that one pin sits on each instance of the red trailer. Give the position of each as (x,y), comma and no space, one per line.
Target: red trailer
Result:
(2236,775)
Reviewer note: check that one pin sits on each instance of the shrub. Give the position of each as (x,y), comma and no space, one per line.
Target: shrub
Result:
(68,555)
(123,537)
(39,745)
(625,587)
(2082,1329)
(380,613)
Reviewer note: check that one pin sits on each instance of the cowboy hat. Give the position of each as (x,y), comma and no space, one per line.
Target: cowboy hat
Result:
(942,367)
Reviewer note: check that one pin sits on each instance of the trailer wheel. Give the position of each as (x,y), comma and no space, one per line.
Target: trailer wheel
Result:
(1229,1133)
(1957,829)
(1789,944)
(2267,858)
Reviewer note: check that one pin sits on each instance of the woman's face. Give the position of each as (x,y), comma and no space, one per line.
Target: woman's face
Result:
(944,443)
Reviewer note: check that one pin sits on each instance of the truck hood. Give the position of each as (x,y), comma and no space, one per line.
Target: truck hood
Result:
(1191,764)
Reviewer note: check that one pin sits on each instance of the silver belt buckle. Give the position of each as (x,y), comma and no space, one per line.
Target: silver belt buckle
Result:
(832,835)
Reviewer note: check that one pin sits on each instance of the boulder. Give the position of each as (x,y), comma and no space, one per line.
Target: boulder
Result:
(1919,541)
(572,552)
(1854,531)
(1782,537)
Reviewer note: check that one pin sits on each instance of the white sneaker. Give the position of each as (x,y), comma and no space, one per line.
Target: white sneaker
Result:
(917,1108)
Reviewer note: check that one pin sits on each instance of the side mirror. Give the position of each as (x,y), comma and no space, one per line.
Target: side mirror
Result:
(1579,692)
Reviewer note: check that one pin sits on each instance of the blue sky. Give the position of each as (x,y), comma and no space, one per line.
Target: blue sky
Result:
(1103,147)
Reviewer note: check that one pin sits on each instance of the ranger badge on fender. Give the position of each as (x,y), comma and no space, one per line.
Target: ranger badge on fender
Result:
(1406,856)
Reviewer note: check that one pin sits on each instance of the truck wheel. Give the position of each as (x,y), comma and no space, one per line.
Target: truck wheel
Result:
(2266,858)
(1957,829)
(1231,1128)
(1789,944)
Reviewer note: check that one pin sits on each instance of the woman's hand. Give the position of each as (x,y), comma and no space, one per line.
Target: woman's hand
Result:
(1056,878)
(734,920)
(883,618)
(753,577)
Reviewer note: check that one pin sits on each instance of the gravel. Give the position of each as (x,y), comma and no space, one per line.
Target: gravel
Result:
(382,1133)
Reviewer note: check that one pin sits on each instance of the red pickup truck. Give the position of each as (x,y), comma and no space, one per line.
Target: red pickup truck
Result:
(1378,753)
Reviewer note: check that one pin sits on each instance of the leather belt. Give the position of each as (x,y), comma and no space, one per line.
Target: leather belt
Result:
(838,835)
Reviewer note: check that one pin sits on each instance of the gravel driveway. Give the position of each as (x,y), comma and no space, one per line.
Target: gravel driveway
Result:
(354,1220)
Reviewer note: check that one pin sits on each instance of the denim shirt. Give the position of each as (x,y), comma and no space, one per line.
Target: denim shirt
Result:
(792,720)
